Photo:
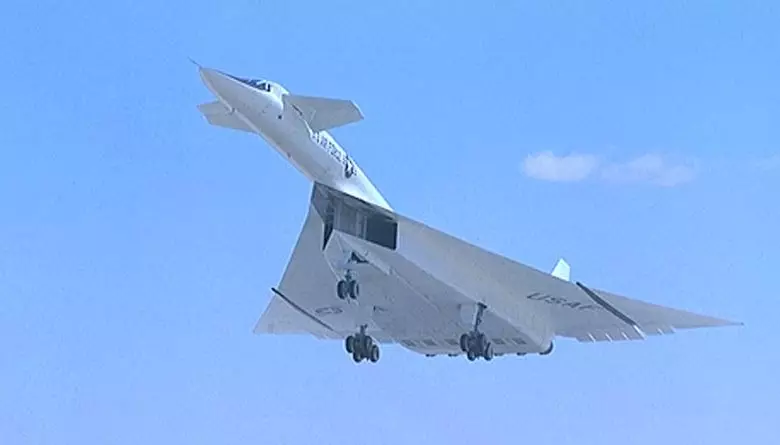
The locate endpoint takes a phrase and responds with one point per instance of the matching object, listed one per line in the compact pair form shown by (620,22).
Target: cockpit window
(260,85)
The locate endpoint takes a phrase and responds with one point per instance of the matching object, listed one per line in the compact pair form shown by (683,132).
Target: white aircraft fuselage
(261,106)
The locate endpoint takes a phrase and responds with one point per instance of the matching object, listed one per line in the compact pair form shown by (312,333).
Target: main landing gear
(348,288)
(362,347)
(475,344)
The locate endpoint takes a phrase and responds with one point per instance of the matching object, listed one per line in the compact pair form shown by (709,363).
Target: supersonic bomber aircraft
(362,273)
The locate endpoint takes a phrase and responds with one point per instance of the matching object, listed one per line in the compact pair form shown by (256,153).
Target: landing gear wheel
(353,289)
(488,355)
(362,347)
(342,289)
(476,345)
(464,342)
(368,343)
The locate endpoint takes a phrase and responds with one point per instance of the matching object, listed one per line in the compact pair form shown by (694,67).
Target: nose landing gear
(362,347)
(348,288)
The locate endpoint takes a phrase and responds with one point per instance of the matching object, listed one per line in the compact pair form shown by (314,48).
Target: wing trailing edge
(637,320)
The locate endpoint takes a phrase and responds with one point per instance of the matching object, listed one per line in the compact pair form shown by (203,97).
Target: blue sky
(639,140)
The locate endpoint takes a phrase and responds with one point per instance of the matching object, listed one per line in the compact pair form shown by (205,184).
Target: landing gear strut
(362,346)
(348,288)
(474,343)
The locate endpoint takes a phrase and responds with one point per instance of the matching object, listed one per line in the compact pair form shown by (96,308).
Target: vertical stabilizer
(562,270)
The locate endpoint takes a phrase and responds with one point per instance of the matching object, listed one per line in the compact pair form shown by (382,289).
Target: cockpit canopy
(260,84)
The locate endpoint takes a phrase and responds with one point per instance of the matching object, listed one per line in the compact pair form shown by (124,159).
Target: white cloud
(650,169)
(770,163)
(549,167)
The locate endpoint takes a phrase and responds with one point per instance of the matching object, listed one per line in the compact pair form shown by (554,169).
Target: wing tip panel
(284,316)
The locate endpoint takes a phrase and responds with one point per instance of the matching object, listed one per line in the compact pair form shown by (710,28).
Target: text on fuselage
(335,152)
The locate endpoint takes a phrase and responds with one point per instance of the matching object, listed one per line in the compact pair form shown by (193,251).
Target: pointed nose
(224,86)
(213,78)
